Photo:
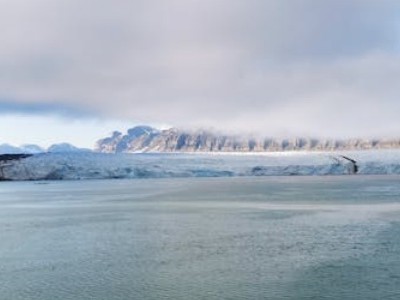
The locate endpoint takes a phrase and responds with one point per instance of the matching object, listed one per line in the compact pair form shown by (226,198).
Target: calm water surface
(219,238)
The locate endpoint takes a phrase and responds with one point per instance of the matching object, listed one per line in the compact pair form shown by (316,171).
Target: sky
(73,70)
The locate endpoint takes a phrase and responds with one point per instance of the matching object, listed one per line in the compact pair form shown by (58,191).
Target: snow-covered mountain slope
(35,149)
(32,149)
(58,166)
(27,149)
(147,139)
(65,148)
(9,149)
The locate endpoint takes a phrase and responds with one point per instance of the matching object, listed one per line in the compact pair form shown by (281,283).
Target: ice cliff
(60,166)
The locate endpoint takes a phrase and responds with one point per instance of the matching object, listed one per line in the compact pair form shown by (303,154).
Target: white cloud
(277,67)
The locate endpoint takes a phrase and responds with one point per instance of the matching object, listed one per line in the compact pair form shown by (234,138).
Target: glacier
(82,165)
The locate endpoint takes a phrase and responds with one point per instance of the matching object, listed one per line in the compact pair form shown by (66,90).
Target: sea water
(331,237)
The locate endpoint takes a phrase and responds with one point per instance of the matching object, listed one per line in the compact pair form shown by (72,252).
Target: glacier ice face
(81,165)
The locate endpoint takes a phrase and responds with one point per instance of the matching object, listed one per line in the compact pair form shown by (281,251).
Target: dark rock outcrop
(6,159)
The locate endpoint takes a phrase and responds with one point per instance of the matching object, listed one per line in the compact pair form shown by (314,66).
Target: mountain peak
(141,130)
(64,148)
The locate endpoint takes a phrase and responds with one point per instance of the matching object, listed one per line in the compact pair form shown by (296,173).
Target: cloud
(325,68)
(9,107)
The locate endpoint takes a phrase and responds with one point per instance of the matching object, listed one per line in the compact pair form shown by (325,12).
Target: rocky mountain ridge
(148,139)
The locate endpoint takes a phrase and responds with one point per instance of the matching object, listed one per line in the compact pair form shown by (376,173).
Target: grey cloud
(278,67)
(12,107)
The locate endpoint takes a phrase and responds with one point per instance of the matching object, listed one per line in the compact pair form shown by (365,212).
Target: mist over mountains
(148,139)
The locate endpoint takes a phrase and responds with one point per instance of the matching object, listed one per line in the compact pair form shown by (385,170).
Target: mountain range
(34,149)
(149,139)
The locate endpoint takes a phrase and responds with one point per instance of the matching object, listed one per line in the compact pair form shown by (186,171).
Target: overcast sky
(71,70)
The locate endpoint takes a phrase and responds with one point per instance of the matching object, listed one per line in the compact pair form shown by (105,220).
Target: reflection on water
(230,238)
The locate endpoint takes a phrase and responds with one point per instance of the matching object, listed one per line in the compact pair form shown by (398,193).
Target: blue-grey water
(201,238)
